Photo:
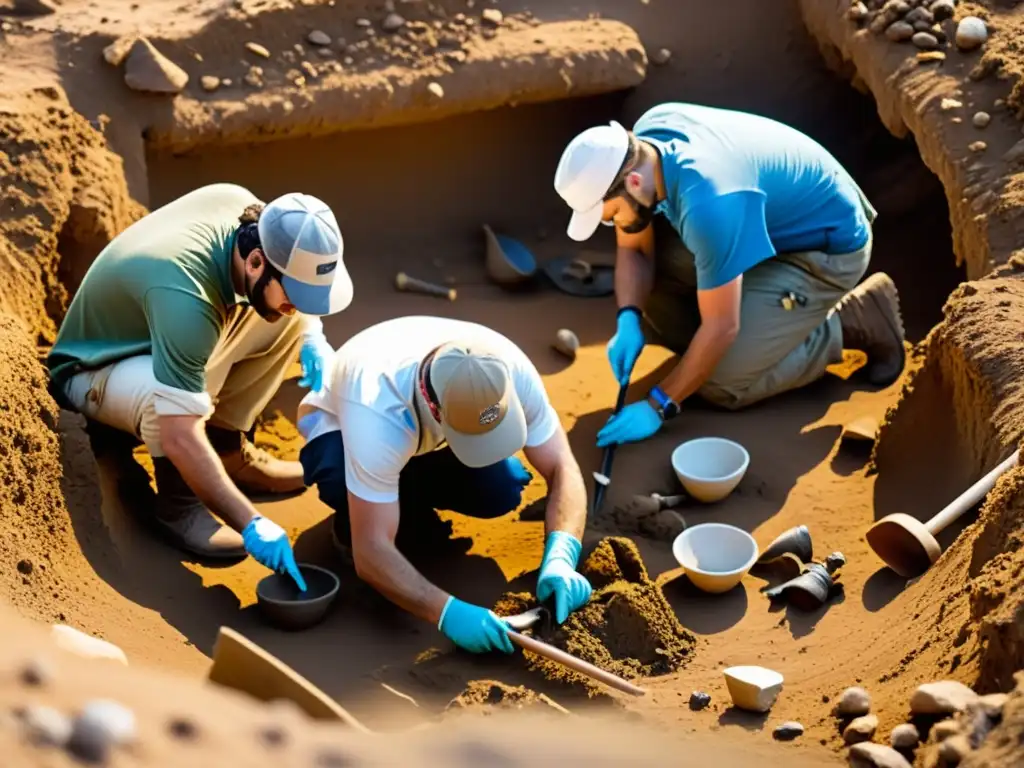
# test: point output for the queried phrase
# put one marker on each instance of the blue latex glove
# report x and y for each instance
(626, 345)
(518, 471)
(474, 628)
(635, 422)
(268, 544)
(558, 576)
(314, 357)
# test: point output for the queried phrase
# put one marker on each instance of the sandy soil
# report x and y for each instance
(80, 153)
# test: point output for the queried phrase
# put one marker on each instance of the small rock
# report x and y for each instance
(970, 33)
(435, 90)
(922, 26)
(879, 24)
(115, 53)
(318, 37)
(1015, 153)
(46, 726)
(699, 700)
(183, 728)
(254, 76)
(939, 33)
(209, 82)
(954, 749)
(981, 119)
(899, 31)
(999, 103)
(946, 696)
(943, 9)
(868, 755)
(146, 69)
(904, 736)
(392, 23)
(37, 672)
(492, 16)
(901, 6)
(927, 56)
(925, 40)
(364, 23)
(857, 12)
(661, 56)
(947, 104)
(944, 729)
(919, 14)
(977, 146)
(567, 343)
(788, 731)
(25, 566)
(861, 729)
(853, 702)
(258, 50)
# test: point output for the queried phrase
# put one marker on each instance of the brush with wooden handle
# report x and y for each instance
(559, 656)
(414, 285)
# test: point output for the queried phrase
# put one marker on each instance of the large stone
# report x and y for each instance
(146, 69)
(861, 729)
(970, 33)
(942, 698)
(868, 755)
(853, 702)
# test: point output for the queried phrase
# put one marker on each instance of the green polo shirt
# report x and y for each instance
(161, 287)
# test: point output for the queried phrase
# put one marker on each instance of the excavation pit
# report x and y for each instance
(412, 197)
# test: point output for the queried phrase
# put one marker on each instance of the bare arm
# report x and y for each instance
(567, 495)
(719, 325)
(186, 445)
(634, 267)
(379, 563)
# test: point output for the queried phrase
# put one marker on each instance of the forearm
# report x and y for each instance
(567, 500)
(706, 349)
(384, 568)
(634, 276)
(201, 468)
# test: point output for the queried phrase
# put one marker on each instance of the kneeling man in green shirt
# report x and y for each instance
(181, 333)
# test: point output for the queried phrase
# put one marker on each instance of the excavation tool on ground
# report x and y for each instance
(603, 478)
(908, 546)
(414, 285)
(528, 619)
(240, 664)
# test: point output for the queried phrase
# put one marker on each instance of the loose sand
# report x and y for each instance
(80, 154)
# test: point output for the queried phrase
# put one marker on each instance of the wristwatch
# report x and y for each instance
(666, 407)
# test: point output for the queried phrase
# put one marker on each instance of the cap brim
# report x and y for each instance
(583, 224)
(320, 299)
(505, 440)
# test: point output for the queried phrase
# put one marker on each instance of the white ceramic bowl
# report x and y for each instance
(710, 467)
(715, 556)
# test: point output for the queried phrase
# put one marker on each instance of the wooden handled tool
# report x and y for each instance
(559, 656)
(604, 477)
(414, 285)
(908, 546)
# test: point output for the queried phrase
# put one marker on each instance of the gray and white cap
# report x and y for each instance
(300, 236)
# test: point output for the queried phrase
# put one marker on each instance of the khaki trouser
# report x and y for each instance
(244, 372)
(789, 330)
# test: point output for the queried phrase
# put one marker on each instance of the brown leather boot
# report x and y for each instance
(254, 470)
(870, 316)
(186, 520)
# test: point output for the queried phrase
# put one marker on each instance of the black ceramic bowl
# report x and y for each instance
(285, 607)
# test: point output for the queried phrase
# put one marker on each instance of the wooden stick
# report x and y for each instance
(414, 285)
(559, 656)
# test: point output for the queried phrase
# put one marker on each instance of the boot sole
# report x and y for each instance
(889, 308)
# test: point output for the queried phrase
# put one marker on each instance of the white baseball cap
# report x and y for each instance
(300, 236)
(585, 173)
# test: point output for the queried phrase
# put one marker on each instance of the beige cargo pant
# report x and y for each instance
(789, 329)
(244, 372)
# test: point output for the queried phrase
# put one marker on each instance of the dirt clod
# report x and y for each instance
(628, 628)
(699, 700)
(37, 672)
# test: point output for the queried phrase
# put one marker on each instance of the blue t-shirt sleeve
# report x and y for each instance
(727, 235)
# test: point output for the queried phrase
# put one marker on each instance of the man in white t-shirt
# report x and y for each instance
(418, 414)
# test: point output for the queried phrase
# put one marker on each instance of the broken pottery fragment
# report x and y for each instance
(753, 688)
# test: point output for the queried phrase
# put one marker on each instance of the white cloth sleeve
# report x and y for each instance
(376, 451)
(541, 417)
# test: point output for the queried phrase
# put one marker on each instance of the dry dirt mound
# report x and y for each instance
(488, 696)
(628, 628)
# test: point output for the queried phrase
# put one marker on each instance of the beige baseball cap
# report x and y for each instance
(481, 416)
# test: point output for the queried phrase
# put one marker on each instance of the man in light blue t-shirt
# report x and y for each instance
(775, 236)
